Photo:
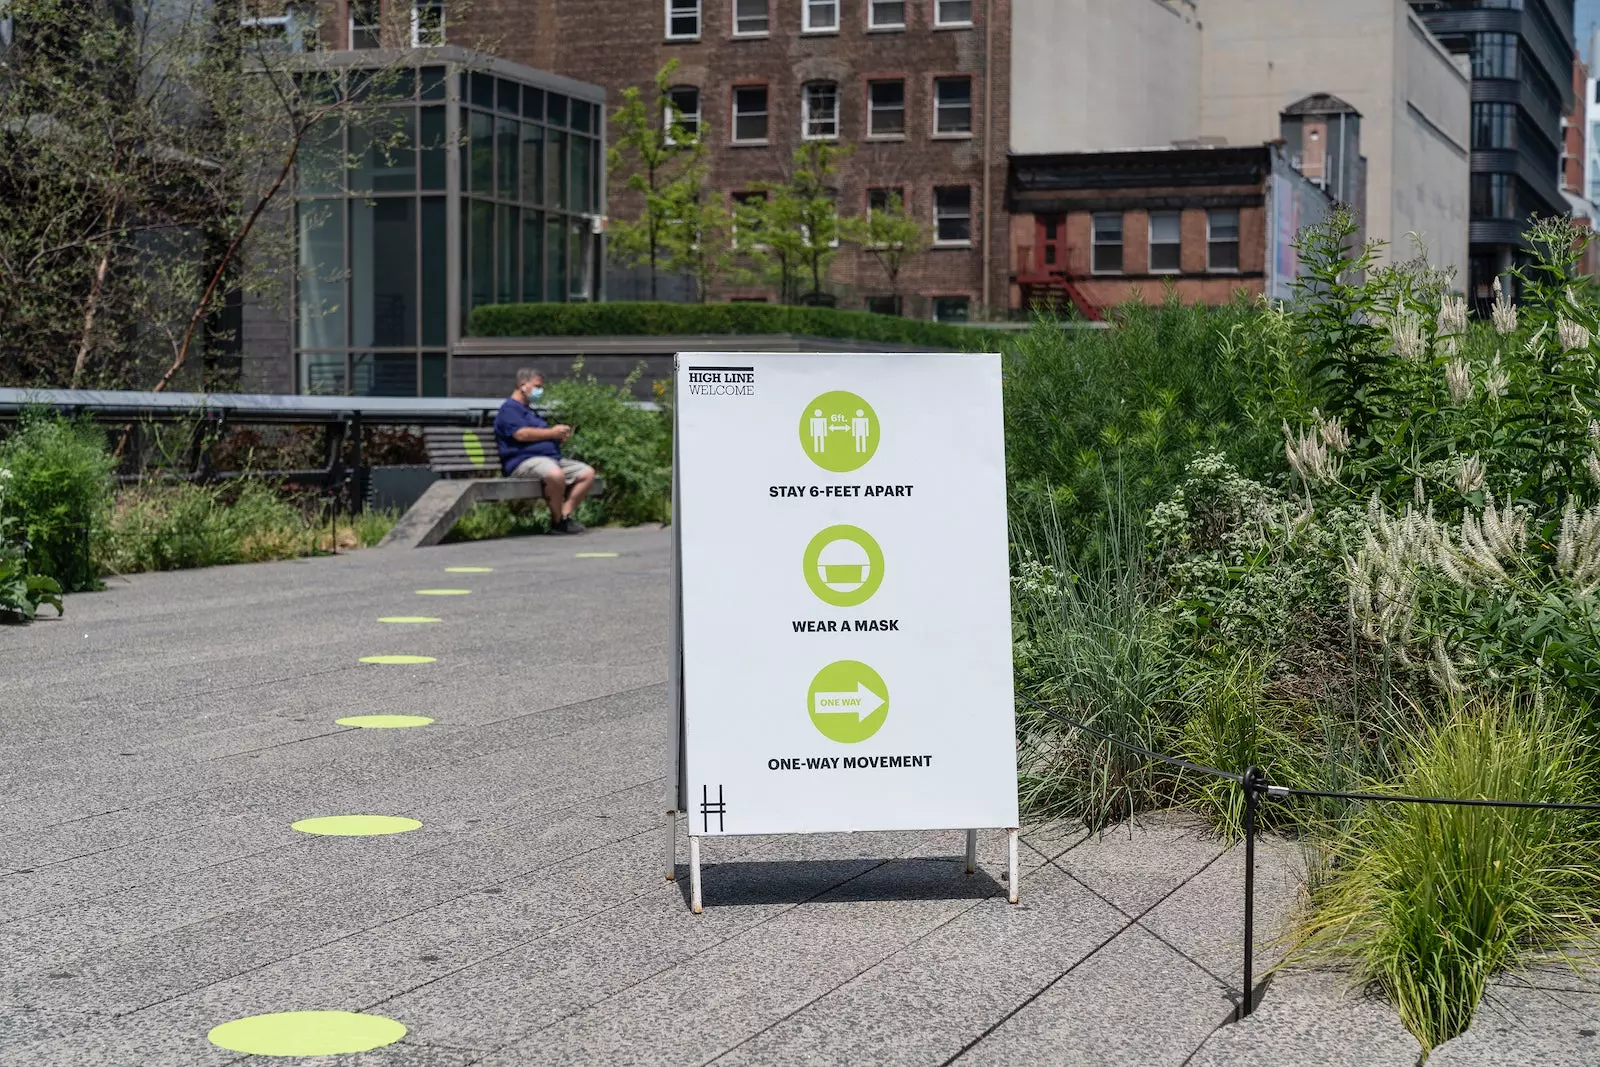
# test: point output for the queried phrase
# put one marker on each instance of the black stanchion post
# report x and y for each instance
(1251, 784)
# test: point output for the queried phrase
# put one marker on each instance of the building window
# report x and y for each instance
(684, 100)
(1494, 125)
(1494, 55)
(747, 212)
(270, 33)
(952, 215)
(883, 305)
(1222, 239)
(951, 308)
(1107, 255)
(952, 12)
(952, 106)
(886, 109)
(750, 18)
(886, 14)
(683, 20)
(821, 16)
(819, 112)
(886, 198)
(364, 24)
(1494, 196)
(1166, 242)
(750, 114)
(427, 23)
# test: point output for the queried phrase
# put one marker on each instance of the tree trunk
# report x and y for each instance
(87, 340)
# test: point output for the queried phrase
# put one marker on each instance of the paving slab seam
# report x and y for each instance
(969, 1046)
(861, 973)
(353, 933)
(686, 959)
(279, 744)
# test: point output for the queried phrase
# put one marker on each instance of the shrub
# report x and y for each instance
(505, 519)
(630, 447)
(21, 593)
(168, 526)
(59, 488)
(1429, 901)
(647, 318)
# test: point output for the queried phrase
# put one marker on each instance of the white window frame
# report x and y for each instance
(290, 30)
(872, 111)
(1121, 242)
(939, 106)
(806, 9)
(733, 102)
(682, 9)
(806, 117)
(351, 25)
(766, 28)
(684, 114)
(417, 7)
(939, 21)
(1150, 259)
(872, 15)
(1236, 241)
(940, 242)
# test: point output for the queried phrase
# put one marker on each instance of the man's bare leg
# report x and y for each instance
(555, 492)
(579, 489)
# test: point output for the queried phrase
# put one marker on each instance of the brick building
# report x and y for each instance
(1095, 229)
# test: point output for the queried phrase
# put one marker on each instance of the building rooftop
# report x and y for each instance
(1320, 104)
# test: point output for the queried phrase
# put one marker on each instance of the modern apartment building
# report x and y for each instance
(1522, 54)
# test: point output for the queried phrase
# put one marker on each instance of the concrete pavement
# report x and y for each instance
(163, 737)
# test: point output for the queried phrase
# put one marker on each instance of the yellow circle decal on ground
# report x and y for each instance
(597, 555)
(443, 592)
(384, 722)
(356, 825)
(307, 1033)
(469, 570)
(407, 618)
(397, 659)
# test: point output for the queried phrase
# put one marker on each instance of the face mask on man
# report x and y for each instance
(534, 393)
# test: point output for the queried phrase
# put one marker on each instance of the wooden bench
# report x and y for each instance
(468, 464)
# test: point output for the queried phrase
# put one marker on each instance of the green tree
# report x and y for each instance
(697, 229)
(798, 222)
(889, 234)
(651, 149)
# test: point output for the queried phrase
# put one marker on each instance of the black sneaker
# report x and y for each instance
(567, 526)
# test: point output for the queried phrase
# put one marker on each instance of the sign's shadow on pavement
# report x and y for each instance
(834, 881)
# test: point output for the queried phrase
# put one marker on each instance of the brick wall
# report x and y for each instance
(621, 43)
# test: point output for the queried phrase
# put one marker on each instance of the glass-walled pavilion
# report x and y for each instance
(477, 181)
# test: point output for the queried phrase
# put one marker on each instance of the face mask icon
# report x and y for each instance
(843, 565)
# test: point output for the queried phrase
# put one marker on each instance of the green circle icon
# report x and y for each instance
(839, 431)
(843, 566)
(848, 702)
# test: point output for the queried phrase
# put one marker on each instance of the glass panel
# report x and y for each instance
(582, 173)
(482, 253)
(505, 136)
(464, 290)
(432, 83)
(508, 234)
(435, 378)
(322, 373)
(582, 116)
(321, 275)
(383, 374)
(481, 144)
(532, 163)
(435, 270)
(319, 167)
(483, 91)
(555, 169)
(432, 147)
(577, 287)
(383, 272)
(555, 109)
(1163, 227)
(555, 265)
(385, 155)
(532, 102)
(532, 255)
(509, 95)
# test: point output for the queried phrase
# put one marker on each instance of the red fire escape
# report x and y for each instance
(1042, 270)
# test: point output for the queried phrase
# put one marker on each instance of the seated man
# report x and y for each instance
(530, 448)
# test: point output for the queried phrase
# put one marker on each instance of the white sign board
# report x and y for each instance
(843, 597)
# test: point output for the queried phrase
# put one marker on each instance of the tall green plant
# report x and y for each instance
(650, 145)
(630, 447)
(60, 487)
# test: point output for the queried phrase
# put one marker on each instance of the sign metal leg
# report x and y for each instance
(972, 851)
(672, 845)
(1011, 859)
(694, 874)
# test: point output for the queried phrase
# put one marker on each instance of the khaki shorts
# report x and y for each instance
(539, 466)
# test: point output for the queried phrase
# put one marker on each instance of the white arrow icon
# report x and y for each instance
(861, 703)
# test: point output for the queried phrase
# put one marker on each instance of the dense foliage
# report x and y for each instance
(645, 318)
(59, 486)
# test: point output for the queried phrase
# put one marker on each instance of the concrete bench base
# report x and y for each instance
(435, 514)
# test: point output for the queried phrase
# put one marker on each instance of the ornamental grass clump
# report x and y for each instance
(1429, 902)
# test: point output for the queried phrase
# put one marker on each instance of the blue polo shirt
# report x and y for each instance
(514, 416)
